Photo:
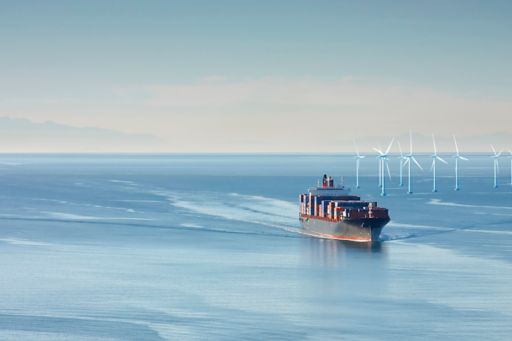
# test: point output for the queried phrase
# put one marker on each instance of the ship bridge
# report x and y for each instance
(328, 188)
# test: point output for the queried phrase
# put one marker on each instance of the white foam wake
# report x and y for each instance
(489, 231)
(72, 216)
(414, 226)
(191, 225)
(454, 204)
(238, 207)
(125, 182)
(16, 241)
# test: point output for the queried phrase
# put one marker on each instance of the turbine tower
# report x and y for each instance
(410, 158)
(383, 163)
(495, 158)
(457, 156)
(403, 160)
(435, 157)
(358, 158)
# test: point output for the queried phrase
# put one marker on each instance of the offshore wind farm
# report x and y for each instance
(406, 160)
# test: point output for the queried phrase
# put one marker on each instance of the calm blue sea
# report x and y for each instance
(207, 247)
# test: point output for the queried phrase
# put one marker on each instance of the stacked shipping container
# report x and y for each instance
(338, 208)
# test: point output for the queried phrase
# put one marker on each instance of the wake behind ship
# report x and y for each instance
(329, 211)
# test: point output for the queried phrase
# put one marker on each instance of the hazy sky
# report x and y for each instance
(256, 75)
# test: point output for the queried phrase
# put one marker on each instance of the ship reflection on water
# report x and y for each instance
(336, 253)
(343, 272)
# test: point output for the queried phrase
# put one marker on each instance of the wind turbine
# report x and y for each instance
(495, 158)
(410, 158)
(383, 163)
(403, 160)
(457, 156)
(435, 157)
(358, 158)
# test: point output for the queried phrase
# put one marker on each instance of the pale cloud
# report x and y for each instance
(218, 91)
(341, 93)
(279, 114)
(281, 111)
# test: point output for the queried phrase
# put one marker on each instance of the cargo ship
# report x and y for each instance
(329, 211)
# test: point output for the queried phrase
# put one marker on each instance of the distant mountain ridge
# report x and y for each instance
(23, 135)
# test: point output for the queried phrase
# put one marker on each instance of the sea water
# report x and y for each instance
(208, 247)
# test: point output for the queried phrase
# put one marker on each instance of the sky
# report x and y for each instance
(253, 76)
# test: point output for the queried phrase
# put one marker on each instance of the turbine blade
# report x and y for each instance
(435, 147)
(442, 160)
(416, 162)
(402, 154)
(378, 151)
(432, 165)
(456, 146)
(463, 158)
(390, 144)
(493, 150)
(389, 173)
(499, 154)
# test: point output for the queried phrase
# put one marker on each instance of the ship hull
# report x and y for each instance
(357, 230)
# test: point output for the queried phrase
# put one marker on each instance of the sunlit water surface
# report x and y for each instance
(133, 247)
